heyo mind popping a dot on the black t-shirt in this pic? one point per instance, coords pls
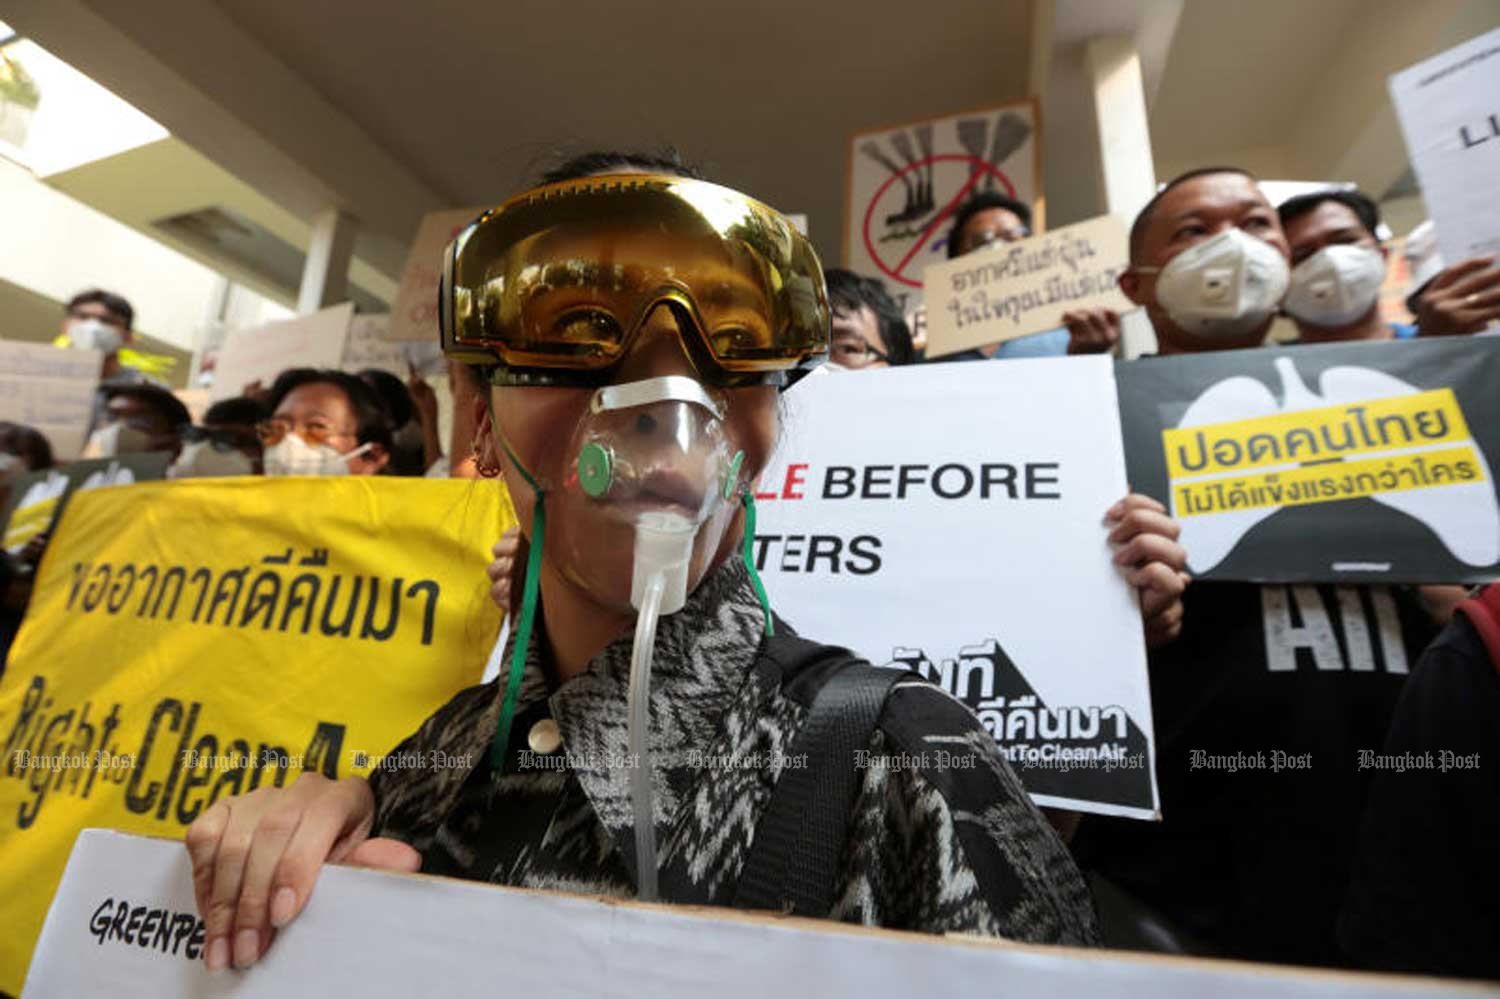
(1425, 893)
(1261, 708)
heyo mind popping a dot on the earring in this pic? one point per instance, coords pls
(486, 470)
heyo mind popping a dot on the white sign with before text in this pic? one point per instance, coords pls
(258, 355)
(1010, 290)
(949, 518)
(1449, 108)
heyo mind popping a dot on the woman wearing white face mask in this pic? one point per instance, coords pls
(1338, 266)
(324, 423)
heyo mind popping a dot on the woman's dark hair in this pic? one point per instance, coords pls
(668, 160)
(26, 443)
(115, 305)
(393, 393)
(241, 409)
(848, 291)
(370, 414)
(983, 203)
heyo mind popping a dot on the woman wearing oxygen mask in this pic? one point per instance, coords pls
(656, 731)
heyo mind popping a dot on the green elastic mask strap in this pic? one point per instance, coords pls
(523, 636)
(749, 552)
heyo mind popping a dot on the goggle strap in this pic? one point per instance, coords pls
(523, 638)
(749, 555)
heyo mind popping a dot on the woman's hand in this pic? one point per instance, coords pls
(255, 858)
(506, 570)
(1146, 545)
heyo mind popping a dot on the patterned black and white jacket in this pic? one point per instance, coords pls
(931, 847)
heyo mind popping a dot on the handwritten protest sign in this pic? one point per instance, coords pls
(50, 389)
(1450, 115)
(925, 544)
(369, 346)
(906, 181)
(1010, 290)
(125, 925)
(312, 341)
(414, 313)
(1356, 462)
(192, 639)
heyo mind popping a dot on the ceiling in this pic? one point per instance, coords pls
(474, 98)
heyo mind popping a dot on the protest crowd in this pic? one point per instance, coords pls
(624, 373)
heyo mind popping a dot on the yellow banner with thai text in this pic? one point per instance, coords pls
(189, 640)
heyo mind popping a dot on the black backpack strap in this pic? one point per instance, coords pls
(800, 839)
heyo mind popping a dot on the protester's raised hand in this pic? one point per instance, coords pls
(256, 856)
(1146, 549)
(505, 571)
(1463, 298)
(1092, 331)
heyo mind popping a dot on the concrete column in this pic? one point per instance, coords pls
(1127, 171)
(325, 275)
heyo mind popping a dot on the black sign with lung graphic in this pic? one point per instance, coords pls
(1363, 462)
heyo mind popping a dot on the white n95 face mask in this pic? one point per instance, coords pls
(1336, 285)
(294, 456)
(94, 334)
(116, 439)
(1225, 286)
(201, 460)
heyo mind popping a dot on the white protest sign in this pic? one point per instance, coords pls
(414, 313)
(124, 924)
(369, 346)
(50, 389)
(1449, 108)
(1009, 290)
(949, 518)
(312, 341)
(905, 182)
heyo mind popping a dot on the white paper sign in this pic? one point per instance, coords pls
(950, 518)
(1449, 107)
(905, 182)
(313, 341)
(1009, 290)
(124, 925)
(414, 314)
(51, 390)
(369, 346)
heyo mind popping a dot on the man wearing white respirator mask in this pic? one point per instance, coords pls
(324, 423)
(1338, 267)
(1251, 863)
(137, 419)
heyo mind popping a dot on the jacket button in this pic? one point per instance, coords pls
(544, 737)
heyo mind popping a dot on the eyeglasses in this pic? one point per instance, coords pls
(992, 236)
(852, 353)
(552, 287)
(223, 440)
(272, 431)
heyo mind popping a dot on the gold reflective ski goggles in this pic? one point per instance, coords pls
(552, 287)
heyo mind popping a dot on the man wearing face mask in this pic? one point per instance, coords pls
(226, 444)
(1338, 266)
(137, 419)
(101, 320)
(325, 423)
(1251, 861)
